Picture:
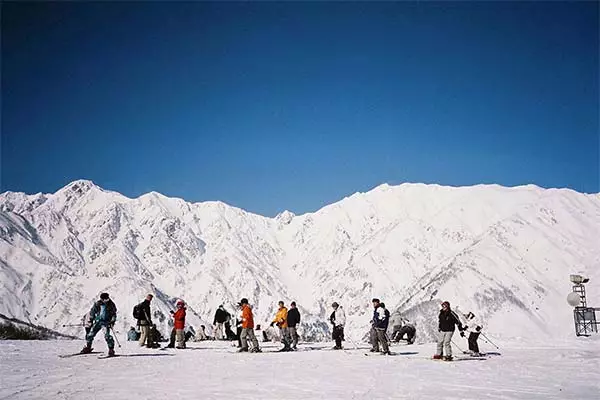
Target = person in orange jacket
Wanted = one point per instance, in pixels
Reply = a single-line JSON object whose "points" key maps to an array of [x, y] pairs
{"points": [[179, 324], [281, 321], [248, 328]]}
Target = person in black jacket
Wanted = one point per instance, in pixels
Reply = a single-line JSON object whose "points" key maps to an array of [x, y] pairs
{"points": [[379, 325], [447, 322], [221, 316], [293, 319], [145, 322]]}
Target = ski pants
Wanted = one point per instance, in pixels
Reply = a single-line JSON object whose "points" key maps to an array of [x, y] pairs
{"points": [[248, 333], [145, 335], [180, 338], [219, 331], [293, 336], [380, 336], [410, 333], [473, 336], [338, 335], [107, 336], [445, 343], [285, 337]]}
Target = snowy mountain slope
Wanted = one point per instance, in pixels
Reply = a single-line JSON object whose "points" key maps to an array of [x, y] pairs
{"points": [[504, 253]]}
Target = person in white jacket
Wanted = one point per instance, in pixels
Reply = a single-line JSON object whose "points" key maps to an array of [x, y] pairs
{"points": [[338, 320], [473, 325]]}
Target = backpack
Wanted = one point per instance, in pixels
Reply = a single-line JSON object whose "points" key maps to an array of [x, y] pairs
{"points": [[137, 311]]}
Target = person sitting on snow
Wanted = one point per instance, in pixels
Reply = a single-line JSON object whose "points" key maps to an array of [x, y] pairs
{"points": [[132, 334]]}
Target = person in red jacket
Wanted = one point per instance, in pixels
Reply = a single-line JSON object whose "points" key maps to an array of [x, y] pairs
{"points": [[177, 334]]}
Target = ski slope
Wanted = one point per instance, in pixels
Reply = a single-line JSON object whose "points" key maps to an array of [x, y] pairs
{"points": [[526, 369]]}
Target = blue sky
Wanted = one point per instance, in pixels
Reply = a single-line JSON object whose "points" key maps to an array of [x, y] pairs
{"points": [[273, 106]]}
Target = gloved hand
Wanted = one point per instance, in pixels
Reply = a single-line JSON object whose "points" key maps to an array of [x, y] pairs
{"points": [[462, 334], [272, 323]]}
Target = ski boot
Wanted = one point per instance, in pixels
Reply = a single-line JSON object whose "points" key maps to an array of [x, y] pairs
{"points": [[448, 358], [256, 350], [437, 357], [86, 350], [243, 350], [111, 352]]}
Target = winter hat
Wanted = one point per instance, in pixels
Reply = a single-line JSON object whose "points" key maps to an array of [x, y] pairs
{"points": [[375, 300], [293, 303], [446, 303], [244, 301], [382, 304], [104, 296], [334, 304], [179, 301]]}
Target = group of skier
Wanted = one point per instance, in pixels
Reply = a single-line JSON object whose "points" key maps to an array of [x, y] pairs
{"points": [[103, 315]]}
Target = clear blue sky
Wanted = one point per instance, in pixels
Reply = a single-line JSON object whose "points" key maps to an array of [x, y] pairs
{"points": [[272, 106]]}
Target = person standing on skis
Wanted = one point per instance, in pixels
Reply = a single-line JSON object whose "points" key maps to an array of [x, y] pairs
{"points": [[248, 328], [338, 320], [474, 328], [293, 319], [103, 314], [281, 321], [447, 322], [379, 325]]}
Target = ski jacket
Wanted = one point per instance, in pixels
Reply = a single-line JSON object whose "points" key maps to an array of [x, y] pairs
{"points": [[179, 318], [448, 320], [338, 317], [381, 318], [472, 323], [145, 312], [293, 317], [247, 317], [221, 316], [104, 313], [281, 317]]}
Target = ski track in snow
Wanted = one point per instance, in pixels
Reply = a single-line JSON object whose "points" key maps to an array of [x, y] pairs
{"points": [[569, 369]]}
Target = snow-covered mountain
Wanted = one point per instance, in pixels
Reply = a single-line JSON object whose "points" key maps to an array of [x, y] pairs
{"points": [[502, 253]]}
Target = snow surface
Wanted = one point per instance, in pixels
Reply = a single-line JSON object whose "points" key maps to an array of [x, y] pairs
{"points": [[527, 369]]}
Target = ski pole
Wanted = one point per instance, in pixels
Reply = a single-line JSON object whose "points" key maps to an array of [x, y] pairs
{"points": [[66, 325], [489, 341], [352, 341], [114, 333], [457, 346]]}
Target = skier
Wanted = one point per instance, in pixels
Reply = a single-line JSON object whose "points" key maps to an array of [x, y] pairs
{"points": [[248, 328], [281, 321], [293, 318], [474, 328], [179, 317], [447, 321], [407, 328], [338, 320], [202, 333], [379, 325], [221, 316], [104, 314], [145, 322]]}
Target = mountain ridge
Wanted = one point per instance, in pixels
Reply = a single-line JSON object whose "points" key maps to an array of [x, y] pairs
{"points": [[383, 243]]}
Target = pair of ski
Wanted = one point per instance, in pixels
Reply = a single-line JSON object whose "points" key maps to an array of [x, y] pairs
{"points": [[85, 354]]}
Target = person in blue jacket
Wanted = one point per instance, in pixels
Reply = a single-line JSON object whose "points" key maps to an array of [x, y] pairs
{"points": [[379, 325], [103, 314]]}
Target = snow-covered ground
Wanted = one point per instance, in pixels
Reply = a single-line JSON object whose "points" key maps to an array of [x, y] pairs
{"points": [[568, 369]]}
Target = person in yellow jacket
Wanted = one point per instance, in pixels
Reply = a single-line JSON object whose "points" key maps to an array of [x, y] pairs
{"points": [[281, 321]]}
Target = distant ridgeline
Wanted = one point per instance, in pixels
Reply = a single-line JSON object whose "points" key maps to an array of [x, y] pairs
{"points": [[15, 329]]}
